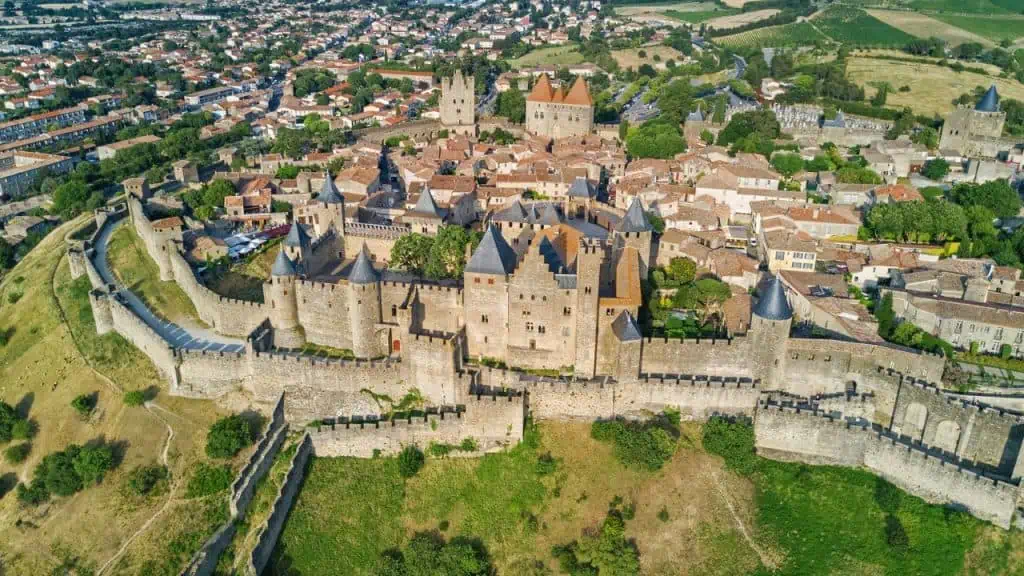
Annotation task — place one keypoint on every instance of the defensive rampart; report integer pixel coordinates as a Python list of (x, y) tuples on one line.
[(690, 356), (227, 316), (270, 530), (791, 434)]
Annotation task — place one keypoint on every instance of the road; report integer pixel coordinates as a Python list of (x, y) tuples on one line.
[(185, 335), (636, 111)]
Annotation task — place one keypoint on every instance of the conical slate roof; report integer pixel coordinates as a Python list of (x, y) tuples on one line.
[(493, 255), (362, 271), (635, 219), (329, 192), (773, 304), (990, 101), (625, 327), (582, 188), (549, 216), (297, 237), (283, 265), (426, 205)]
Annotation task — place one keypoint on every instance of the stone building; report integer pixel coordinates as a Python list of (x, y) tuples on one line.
[(976, 131), (556, 113), (458, 104)]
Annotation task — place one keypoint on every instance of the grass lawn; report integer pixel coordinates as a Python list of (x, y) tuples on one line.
[(552, 55), (245, 279), (933, 88), (992, 28), (135, 269), (349, 511), (41, 371)]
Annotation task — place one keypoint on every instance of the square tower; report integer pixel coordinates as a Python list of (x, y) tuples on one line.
[(458, 104)]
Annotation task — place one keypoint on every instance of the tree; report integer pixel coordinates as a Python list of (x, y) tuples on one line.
[(935, 169), (18, 453), (6, 255), (787, 164), (928, 137), (660, 138), (228, 436), (512, 105), (681, 270), (411, 253), (448, 252), (855, 175), (885, 315), (707, 137), (606, 553), (428, 554), (410, 460), (676, 100), (287, 172), (623, 130), (996, 195), (92, 462), (741, 125), (9, 418), (84, 404)]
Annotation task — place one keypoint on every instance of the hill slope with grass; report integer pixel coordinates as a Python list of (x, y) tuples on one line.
[(52, 355)]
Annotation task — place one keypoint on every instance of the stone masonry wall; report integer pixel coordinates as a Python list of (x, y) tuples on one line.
[(260, 461), (269, 531), (210, 373), (712, 357), (226, 315), (204, 562), (143, 337), (494, 422)]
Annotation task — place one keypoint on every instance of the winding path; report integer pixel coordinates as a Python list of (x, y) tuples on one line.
[(191, 337)]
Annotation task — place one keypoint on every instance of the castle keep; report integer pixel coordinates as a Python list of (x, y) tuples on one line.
[(559, 113), (564, 298), (458, 104), (976, 131)]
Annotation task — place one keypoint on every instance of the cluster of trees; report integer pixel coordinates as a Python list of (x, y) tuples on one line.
[(315, 134), (228, 436), (704, 297), (512, 105), (311, 80), (752, 131), (646, 445), (436, 257), (498, 136), (206, 201), (601, 552), (13, 426), (67, 472), (427, 554), (906, 333), (657, 138)]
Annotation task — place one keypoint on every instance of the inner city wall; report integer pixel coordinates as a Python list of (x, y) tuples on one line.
[(699, 378)]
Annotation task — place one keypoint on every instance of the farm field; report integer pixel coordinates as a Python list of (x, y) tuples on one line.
[(631, 58), (350, 511), (992, 28), (43, 367), (741, 19), (969, 6), (926, 26), (787, 35), (933, 88), (857, 27), (639, 9), (698, 16), (555, 55)]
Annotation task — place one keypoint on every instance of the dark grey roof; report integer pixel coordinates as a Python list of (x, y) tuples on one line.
[(838, 122), (493, 255), (990, 101), (695, 116), (551, 257), (545, 213), (549, 216), (773, 304), (582, 188), (362, 271), (635, 220), (625, 327), (329, 192), (425, 205), (283, 265), (297, 237)]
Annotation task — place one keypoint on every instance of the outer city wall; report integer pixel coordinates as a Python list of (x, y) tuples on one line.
[(791, 434)]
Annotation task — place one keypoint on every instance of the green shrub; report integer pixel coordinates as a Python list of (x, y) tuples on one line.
[(663, 514), (208, 480), (34, 493), (410, 460), (8, 419), (468, 444), (645, 445), (143, 479), (134, 398), (23, 429), (13, 297), (228, 436), (84, 404), (18, 453), (1005, 351), (733, 441), (437, 450), (546, 464), (92, 462)]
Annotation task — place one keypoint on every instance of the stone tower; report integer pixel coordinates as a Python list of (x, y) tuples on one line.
[(458, 104), (967, 129), (635, 230), (559, 113), (769, 333), (331, 209), (364, 307), (284, 304), (485, 296), (589, 259), (298, 247)]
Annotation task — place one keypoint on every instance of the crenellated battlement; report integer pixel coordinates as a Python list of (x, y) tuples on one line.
[(942, 396), (696, 341), (700, 381), (311, 360), (187, 353), (379, 231)]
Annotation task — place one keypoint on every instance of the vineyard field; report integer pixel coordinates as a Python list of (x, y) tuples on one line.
[(995, 28), (698, 16), (856, 27), (787, 35)]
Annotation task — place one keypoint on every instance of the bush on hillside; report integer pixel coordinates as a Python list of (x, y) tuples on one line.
[(18, 453), (84, 404), (9, 418), (644, 445), (143, 479), (134, 398), (208, 480), (410, 460), (733, 440), (228, 436)]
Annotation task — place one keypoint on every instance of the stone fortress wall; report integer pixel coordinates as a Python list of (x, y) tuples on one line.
[(741, 376)]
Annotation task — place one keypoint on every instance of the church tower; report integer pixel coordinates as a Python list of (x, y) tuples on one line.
[(458, 104), (769, 333)]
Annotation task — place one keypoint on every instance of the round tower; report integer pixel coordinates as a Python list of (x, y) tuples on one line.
[(364, 307), (101, 313), (769, 333), (284, 305)]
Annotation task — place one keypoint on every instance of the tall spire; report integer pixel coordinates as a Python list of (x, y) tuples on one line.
[(329, 192), (283, 265), (635, 219), (990, 101)]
